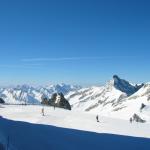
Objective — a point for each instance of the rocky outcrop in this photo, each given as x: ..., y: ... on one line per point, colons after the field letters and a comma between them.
x: 57, y: 100
x: 142, y: 106
x: 125, y: 86
x: 2, y: 101
x: 137, y: 118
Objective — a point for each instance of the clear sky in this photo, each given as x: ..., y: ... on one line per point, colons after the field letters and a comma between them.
x: 74, y: 41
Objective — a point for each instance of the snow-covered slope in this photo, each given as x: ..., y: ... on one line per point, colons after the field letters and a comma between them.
x: 133, y: 104
x: 32, y: 95
x: 101, y: 97
x: 74, y: 120
x: 115, y: 103
x: 117, y: 98
x: 60, y: 129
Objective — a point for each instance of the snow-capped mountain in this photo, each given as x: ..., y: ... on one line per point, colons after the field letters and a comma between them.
x: 22, y: 94
x: 138, y: 103
x: 125, y: 86
x: 111, y: 94
x: 59, y: 88
x: 117, y: 98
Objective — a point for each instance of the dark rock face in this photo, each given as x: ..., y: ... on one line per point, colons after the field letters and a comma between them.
x: 142, y: 106
x: 2, y: 101
x: 57, y: 100
x: 125, y: 86
x: 137, y: 118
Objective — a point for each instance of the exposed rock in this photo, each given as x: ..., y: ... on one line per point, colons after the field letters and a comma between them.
x: 91, y: 107
x: 2, y: 101
x: 142, y: 106
x: 148, y: 98
x: 125, y: 86
x: 58, y: 100
x: 138, y: 118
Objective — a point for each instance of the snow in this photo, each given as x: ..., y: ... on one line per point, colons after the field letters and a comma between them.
x: 63, y: 129
x: 84, y: 97
x: 22, y: 94
x: 76, y: 129
x: 111, y: 102
x: 105, y: 100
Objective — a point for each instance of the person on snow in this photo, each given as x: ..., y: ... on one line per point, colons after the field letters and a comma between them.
x: 54, y: 106
x: 131, y: 120
x: 43, y: 111
x: 97, y: 118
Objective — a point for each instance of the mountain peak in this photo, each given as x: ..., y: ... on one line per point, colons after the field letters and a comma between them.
x: 125, y: 86
x: 115, y: 77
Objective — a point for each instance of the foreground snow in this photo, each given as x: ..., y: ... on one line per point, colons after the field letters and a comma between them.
x: 61, y: 129
x: 27, y: 136
x: 74, y: 120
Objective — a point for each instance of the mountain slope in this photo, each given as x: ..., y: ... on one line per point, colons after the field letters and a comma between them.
x: 118, y: 98
x: 74, y: 120
x: 138, y: 103
x: 110, y: 94
x: 41, y: 134
x: 125, y: 86
x: 107, y: 99
x: 32, y: 95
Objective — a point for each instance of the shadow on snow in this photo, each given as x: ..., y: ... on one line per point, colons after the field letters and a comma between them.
x: 27, y: 136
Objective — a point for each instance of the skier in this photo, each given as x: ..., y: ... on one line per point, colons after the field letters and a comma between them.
x: 43, y: 111
x: 97, y: 118
x: 131, y: 120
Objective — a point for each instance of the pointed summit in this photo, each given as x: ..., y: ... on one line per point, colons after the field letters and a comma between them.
x: 125, y: 86
x: 115, y: 77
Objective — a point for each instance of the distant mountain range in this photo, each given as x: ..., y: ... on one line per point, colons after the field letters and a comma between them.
x: 118, y: 98
x: 22, y: 94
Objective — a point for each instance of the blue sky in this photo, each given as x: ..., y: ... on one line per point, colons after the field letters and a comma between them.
x: 74, y: 41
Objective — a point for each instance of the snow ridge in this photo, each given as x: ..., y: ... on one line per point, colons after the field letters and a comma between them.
x: 25, y: 94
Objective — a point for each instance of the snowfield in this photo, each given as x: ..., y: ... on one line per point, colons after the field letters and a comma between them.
x: 63, y: 129
x: 22, y: 127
